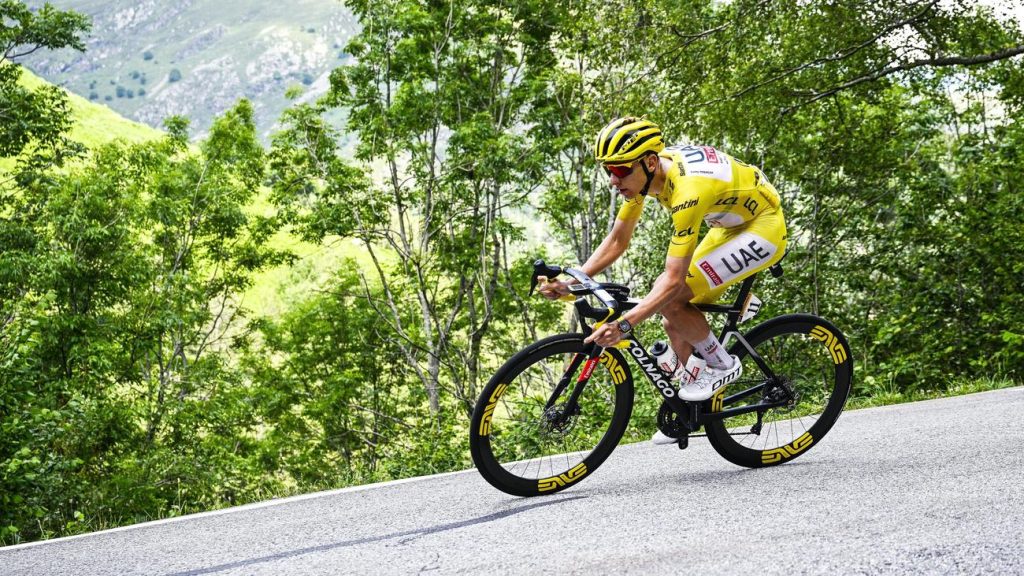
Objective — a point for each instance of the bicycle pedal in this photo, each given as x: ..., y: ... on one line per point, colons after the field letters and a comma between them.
x: 683, y: 441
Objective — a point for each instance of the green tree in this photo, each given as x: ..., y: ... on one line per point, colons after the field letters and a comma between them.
x: 34, y: 117
x: 436, y: 95
x: 121, y: 282
x: 851, y: 109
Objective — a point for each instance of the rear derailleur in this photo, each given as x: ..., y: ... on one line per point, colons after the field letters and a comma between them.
x: 775, y: 392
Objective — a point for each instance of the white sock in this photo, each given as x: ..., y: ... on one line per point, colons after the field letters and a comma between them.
x: 712, y: 351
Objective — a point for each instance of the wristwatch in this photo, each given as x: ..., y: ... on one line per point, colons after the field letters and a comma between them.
x: 624, y: 326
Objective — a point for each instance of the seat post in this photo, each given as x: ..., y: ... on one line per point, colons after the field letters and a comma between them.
x: 734, y: 311
x: 741, y: 297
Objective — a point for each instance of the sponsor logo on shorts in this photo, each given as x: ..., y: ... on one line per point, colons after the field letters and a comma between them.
x: 740, y: 260
x: 736, y: 259
x: 712, y: 275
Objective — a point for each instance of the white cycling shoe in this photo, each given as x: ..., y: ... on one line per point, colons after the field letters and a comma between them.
x: 702, y: 381
x: 660, y: 438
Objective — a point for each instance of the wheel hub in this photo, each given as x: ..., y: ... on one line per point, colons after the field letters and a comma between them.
x: 781, y: 390
x: 556, y: 421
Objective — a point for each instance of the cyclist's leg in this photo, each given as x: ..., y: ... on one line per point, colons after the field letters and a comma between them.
x: 724, y: 257
x: 683, y: 324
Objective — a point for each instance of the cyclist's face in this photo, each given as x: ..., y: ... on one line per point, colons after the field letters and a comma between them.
x: 626, y: 179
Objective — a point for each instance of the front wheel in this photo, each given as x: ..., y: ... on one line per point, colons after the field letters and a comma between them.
x: 812, y: 372
x: 523, y: 438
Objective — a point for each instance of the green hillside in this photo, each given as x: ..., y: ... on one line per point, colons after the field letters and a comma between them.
x: 151, y: 60
x: 95, y: 123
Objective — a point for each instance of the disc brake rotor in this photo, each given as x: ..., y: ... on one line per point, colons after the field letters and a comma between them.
x: 556, y: 422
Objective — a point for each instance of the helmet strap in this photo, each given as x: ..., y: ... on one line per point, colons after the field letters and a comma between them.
x: 648, y: 173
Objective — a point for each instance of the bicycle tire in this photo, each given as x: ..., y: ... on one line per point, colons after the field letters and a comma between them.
x: 813, y: 357
x: 509, y: 434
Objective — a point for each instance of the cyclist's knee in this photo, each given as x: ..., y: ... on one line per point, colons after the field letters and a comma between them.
x: 677, y: 306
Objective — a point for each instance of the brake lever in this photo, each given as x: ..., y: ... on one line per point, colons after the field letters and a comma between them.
x: 542, y: 272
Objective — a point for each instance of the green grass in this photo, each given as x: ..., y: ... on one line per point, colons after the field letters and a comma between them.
x: 96, y: 124
x: 957, y: 387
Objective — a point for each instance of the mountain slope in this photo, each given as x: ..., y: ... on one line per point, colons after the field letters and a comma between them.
x: 148, y: 60
x: 94, y: 123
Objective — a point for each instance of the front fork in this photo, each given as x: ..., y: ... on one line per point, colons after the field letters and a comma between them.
x: 590, y: 357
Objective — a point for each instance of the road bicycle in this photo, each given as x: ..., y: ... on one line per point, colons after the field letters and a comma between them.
x: 555, y: 411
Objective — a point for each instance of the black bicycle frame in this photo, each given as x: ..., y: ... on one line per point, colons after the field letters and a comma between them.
x: 693, y: 413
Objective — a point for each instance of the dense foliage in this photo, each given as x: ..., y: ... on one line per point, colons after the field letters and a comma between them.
x: 135, y: 384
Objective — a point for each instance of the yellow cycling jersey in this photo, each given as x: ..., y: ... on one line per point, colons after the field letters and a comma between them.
x: 705, y: 183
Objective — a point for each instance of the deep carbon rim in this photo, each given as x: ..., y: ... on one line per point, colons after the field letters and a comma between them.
x: 524, y: 447
x: 812, y: 361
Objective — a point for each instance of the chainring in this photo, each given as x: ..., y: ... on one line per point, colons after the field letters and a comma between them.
x: 669, y: 422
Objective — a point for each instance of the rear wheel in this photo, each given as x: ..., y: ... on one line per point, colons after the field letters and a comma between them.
x: 523, y: 439
x: 813, y: 371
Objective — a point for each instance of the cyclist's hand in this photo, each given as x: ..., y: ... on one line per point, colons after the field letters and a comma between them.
x: 553, y: 290
x: 605, y: 335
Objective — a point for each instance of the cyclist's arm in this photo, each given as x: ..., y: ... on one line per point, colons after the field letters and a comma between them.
x: 613, y: 245
x: 667, y: 287
x: 611, y: 248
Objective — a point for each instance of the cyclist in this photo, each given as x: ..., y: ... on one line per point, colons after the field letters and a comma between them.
x: 747, y: 233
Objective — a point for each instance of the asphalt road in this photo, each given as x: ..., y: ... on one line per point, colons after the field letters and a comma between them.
x: 927, y: 488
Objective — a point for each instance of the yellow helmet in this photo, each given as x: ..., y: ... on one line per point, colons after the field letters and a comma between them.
x: 624, y: 140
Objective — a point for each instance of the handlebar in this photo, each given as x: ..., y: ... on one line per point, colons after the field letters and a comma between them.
x: 585, y: 285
